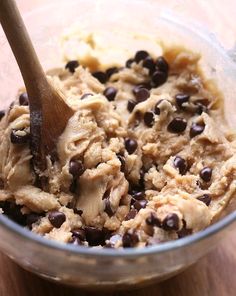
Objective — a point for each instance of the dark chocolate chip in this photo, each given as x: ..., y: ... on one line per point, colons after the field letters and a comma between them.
x: 73, y: 186
x: 177, y: 125
x: 157, y: 110
x: 140, y: 204
x: 146, y: 85
x: 1, y: 184
x: 141, y: 94
x: 171, y: 222
x: 130, y: 105
x: 76, y: 168
x: 184, y: 231
x: 140, y: 55
x: 131, y: 145
x: 181, y: 99
x: 111, y: 71
x: 148, y: 118
x: 75, y: 241
x: 108, y: 208
x: 162, y: 64
x: 140, y: 195
x: 56, y: 218
x: 84, y: 96
x: 149, y: 64
x: 94, y: 236
x: 206, y: 174
x: 19, y: 139
x: 131, y: 215
x: 129, y: 63
x: 14, y: 213
x: 122, y: 162
x: 196, y: 129
x: 159, y: 78
x: 152, y: 220
x: 32, y: 218
x: 110, y: 93
x: 201, y: 108
x: 129, y: 239
x: 101, y: 76
x: 23, y: 99
x: 72, y: 65
x: 205, y: 198
x: 79, y: 233
x: 181, y: 165
x: 78, y: 211
x: 2, y: 113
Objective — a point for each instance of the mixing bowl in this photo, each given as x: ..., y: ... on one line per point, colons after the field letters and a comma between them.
x: 107, y: 268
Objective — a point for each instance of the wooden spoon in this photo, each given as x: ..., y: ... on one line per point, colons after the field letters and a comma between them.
x: 49, y: 113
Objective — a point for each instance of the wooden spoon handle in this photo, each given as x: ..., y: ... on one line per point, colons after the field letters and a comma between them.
x: 22, y: 47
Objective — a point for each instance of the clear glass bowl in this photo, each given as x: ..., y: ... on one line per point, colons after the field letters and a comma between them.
x: 105, y: 268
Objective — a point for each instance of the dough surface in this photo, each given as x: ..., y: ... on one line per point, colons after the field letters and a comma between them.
x: 141, y: 161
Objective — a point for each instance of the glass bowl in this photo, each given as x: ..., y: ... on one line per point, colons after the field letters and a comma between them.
x: 107, y: 268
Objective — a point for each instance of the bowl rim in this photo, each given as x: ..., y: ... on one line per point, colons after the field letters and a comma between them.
x: 26, y: 234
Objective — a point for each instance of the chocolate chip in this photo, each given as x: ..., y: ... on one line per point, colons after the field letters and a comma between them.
x: 140, y: 55
x: 23, y: 99
x: 159, y: 78
x: 78, y: 211
x: 140, y: 195
x: 73, y: 186
x: 141, y: 94
x: 2, y: 113
x: 32, y: 218
x: 101, y: 76
x: 131, y: 215
x: 140, y: 204
x: 157, y: 110
x: 180, y: 164
x: 110, y: 93
x: 129, y: 239
x: 14, y: 213
x: 129, y: 63
x: 206, y: 174
x: 1, y: 184
x: 205, y: 198
x: 75, y: 241
x: 76, y: 168
x: 72, y: 65
x: 149, y: 64
x: 146, y: 85
x: 184, y: 231
x: 152, y: 220
x: 122, y: 162
x: 181, y: 99
x: 111, y: 71
x: 84, y: 96
x: 94, y: 236
x: 177, y: 125
x: 162, y: 64
x: 79, y: 233
x: 56, y: 218
x: 196, y: 129
x: 19, y: 137
x: 131, y: 145
x: 130, y: 105
x: 201, y: 108
x: 108, y: 208
x: 171, y: 222
x: 148, y: 118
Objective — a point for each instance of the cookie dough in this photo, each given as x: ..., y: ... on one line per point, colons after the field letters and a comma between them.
x: 146, y: 158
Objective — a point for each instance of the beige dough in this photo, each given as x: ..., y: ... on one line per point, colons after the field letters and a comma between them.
x: 102, y: 203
